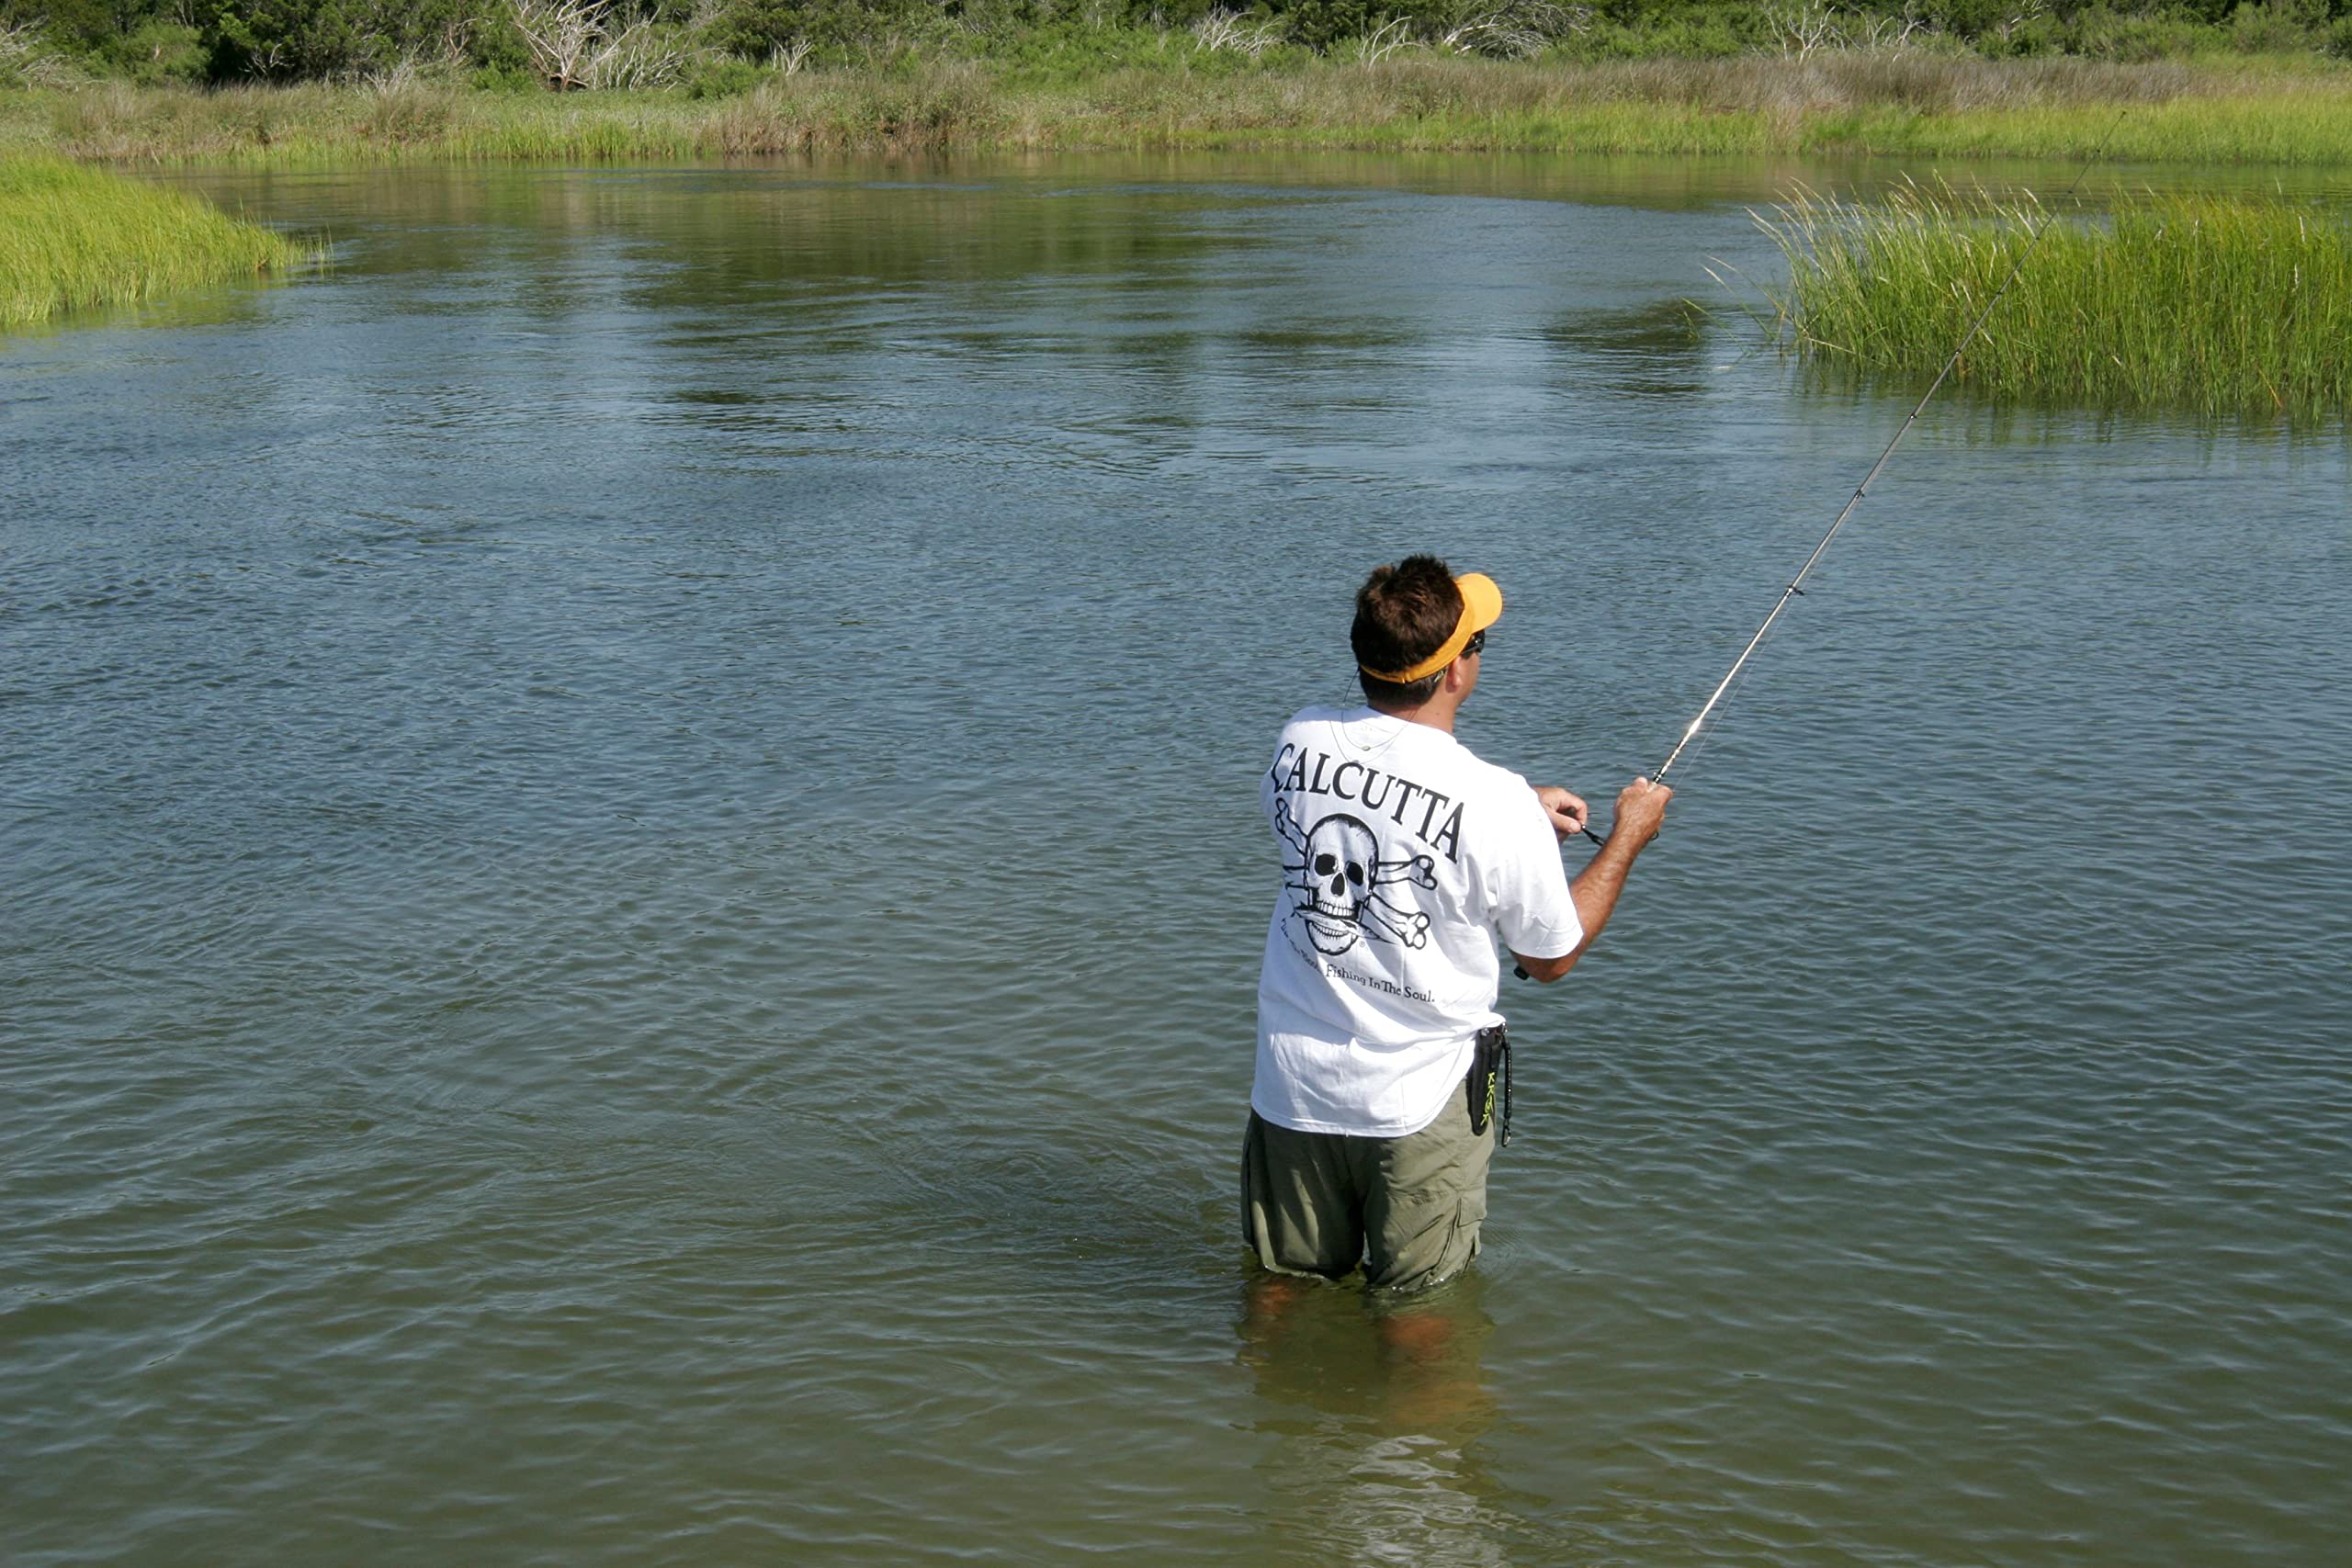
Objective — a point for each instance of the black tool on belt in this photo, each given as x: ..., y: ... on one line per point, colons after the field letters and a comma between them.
x: 1490, y: 1083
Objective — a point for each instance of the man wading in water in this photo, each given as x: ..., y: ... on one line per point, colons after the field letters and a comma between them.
x: 1404, y: 856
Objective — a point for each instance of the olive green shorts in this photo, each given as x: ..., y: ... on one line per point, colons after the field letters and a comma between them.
x: 1407, y: 1208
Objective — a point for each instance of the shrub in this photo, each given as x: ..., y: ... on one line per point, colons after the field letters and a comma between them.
x: 1319, y: 24
x: 592, y: 44
x: 2103, y: 35
x: 280, y: 40
x: 724, y: 76
x: 882, y: 33
x: 1064, y: 50
x: 1710, y: 37
x: 504, y: 78
x: 156, y: 53
x: 496, y: 47
x: 76, y: 29
x: 26, y: 59
x: 2279, y: 26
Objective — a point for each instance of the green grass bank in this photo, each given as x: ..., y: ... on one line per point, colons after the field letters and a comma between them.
x: 2226, y: 306
x: 73, y: 238
x: 1908, y: 102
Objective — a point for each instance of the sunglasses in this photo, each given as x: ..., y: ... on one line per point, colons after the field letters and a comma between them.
x: 1477, y: 644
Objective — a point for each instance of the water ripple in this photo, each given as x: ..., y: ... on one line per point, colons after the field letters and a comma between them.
x: 635, y: 903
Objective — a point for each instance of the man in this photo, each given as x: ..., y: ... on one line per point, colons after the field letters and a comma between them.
x: 1404, y: 856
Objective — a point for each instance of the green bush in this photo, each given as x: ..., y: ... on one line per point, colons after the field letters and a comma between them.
x: 1319, y: 24
x: 160, y: 40
x: 1976, y: 19
x: 80, y: 28
x: 724, y: 76
x: 2102, y: 34
x: 279, y: 38
x: 156, y: 53
x: 1058, y: 50
x: 2033, y: 39
x: 504, y: 79
x: 1175, y: 14
x: 287, y: 40
x: 27, y: 60
x: 1700, y: 38
x: 883, y: 34
x: 494, y: 44
x: 1602, y: 41
x: 2277, y: 27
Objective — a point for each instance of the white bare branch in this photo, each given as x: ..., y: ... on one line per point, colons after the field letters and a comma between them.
x: 1801, y: 26
x: 1520, y: 29
x: 1391, y: 35
x: 1230, y: 29
x: 562, y: 36
x: 26, y: 59
x: 573, y: 46
x: 2031, y: 11
x: 787, y: 58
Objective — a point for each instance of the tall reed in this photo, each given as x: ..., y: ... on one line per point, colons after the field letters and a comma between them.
x: 72, y: 237
x: 2226, y: 306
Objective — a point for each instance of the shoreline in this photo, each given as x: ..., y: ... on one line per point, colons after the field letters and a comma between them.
x: 1884, y: 105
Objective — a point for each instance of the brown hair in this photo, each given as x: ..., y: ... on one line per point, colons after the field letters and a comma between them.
x: 1403, y: 614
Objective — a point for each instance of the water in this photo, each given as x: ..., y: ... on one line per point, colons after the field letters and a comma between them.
x: 633, y: 897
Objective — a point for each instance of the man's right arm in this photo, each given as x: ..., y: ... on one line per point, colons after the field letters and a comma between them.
x: 1641, y: 807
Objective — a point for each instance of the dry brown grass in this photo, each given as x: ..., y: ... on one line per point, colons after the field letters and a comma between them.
x: 1913, y: 102
x: 1915, y: 80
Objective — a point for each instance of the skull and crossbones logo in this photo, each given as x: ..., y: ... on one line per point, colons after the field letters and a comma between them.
x: 1339, y: 876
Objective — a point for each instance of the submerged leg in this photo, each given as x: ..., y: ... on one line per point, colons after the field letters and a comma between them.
x: 1302, y: 1200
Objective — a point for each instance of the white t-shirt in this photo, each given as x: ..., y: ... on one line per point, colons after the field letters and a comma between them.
x: 1404, y: 857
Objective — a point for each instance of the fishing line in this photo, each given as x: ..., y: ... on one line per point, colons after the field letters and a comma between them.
x: 1795, y: 588
x: 1723, y: 711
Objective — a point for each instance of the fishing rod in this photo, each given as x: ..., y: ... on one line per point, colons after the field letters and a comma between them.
x: 1795, y: 588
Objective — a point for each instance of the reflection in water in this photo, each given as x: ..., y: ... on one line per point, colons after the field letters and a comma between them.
x: 1376, y: 1405
x: 1652, y: 349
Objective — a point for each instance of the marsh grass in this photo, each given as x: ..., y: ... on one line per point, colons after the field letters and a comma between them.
x: 73, y: 238
x: 2228, y: 307
x: 1889, y: 101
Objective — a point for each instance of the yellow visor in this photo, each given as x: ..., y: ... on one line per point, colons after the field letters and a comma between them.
x: 1482, y: 606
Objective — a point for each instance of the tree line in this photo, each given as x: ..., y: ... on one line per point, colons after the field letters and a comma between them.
x: 725, y: 45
